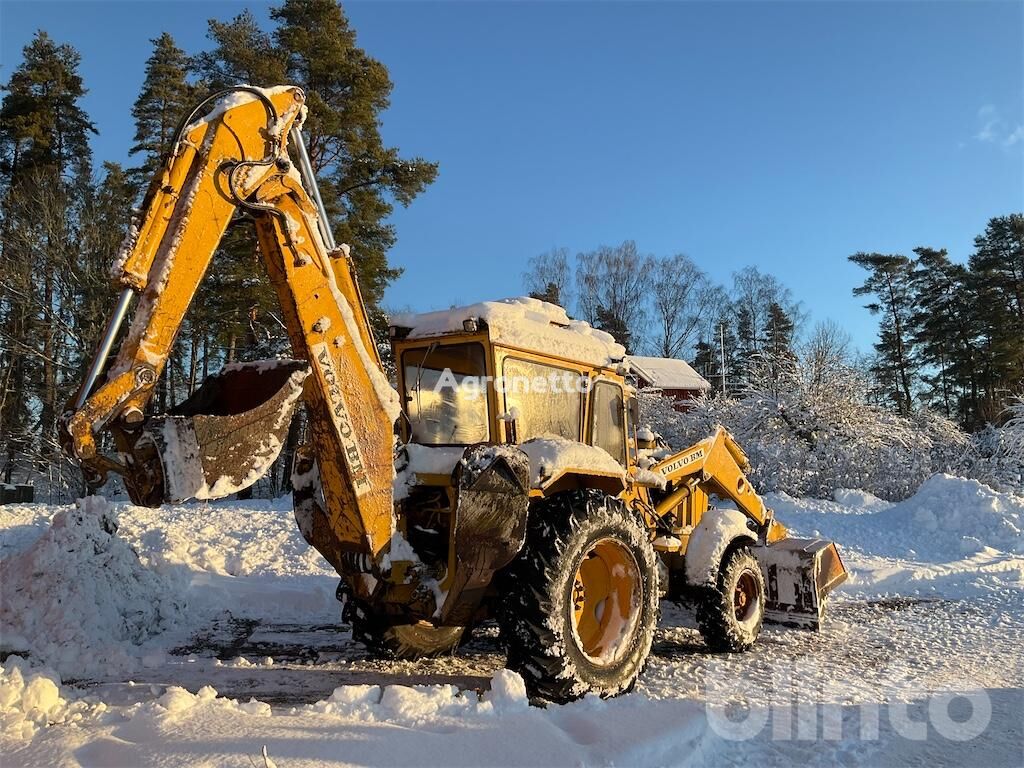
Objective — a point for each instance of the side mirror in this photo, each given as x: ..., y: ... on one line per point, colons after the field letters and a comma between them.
x: 634, y: 410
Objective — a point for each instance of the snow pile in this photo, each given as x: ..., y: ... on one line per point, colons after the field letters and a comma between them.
x: 524, y: 323
x: 410, y: 706
x: 854, y: 497
x: 78, y: 596
x: 955, y: 538
x: 177, y: 700
x: 33, y: 698
x: 551, y: 456
x: 952, y: 516
x: 947, y: 519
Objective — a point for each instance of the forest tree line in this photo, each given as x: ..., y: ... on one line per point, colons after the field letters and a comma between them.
x: 63, y: 214
x: 950, y: 334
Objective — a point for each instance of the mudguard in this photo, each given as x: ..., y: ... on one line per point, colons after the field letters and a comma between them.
x: 711, y: 537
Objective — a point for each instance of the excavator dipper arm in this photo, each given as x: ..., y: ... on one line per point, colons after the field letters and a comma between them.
x: 235, y: 158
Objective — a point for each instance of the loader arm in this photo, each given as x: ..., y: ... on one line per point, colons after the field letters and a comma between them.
x: 799, y: 574
x: 716, y: 464
x: 236, y: 158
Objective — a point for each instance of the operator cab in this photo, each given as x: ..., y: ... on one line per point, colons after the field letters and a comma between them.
x: 505, y: 372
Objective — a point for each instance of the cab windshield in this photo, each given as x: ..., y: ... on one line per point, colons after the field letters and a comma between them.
x: 445, y: 394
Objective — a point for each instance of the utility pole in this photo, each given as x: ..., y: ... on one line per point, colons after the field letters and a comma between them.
x: 721, y: 342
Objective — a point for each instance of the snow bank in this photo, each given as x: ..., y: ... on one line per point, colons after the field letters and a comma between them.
x: 79, y: 594
x: 524, y: 323
x: 177, y: 700
x: 410, y: 706
x: 952, y: 516
x: 955, y: 538
x: 852, y: 497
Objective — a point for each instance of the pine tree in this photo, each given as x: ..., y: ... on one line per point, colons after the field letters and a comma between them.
x: 163, y: 102
x: 939, y: 331
x: 997, y: 279
x: 550, y: 294
x: 41, y: 122
x: 611, y: 323
x: 890, y: 281
x: 778, y: 332
x: 313, y: 46
x: 45, y: 163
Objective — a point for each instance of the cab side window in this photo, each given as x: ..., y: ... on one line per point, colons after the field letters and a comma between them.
x: 547, y: 400
x: 607, y: 422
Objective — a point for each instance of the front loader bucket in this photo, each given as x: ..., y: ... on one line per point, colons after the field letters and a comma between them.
x: 799, y: 574
x: 225, y: 436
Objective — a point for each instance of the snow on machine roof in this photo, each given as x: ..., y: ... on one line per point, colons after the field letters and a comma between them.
x: 521, y: 322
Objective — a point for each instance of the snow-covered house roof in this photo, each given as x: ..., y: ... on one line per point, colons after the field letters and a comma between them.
x: 667, y: 373
x: 524, y: 323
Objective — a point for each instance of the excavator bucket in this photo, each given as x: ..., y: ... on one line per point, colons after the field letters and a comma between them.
x: 799, y: 574
x: 225, y: 436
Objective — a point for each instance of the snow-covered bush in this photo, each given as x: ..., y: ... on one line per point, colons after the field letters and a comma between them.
x: 809, y: 431
x: 996, y: 455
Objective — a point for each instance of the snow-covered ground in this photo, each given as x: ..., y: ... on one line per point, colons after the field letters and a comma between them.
x: 224, y: 640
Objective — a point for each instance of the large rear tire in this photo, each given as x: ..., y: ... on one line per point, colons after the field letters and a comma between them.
x: 409, y: 642
x: 731, y: 613
x: 579, y: 605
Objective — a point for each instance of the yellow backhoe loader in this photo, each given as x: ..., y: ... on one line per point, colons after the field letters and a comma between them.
x: 504, y: 479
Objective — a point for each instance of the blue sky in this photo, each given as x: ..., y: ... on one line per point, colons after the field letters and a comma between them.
x: 784, y: 135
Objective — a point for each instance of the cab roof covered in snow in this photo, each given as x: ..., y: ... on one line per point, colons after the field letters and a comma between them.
x: 521, y: 322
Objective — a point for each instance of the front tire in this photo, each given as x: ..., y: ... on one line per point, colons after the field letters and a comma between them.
x: 731, y: 613
x: 580, y: 603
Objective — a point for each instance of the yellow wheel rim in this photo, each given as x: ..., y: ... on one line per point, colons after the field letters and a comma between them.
x: 745, y: 596
x: 605, y: 601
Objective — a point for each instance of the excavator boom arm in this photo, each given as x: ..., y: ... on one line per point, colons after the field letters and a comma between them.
x: 235, y: 158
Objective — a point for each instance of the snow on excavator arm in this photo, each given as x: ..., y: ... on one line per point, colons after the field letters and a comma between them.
x: 235, y: 158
